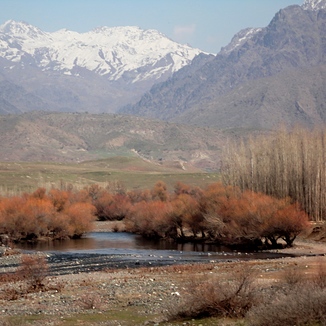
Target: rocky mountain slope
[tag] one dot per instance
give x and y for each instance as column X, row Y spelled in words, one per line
column 95, row 71
column 263, row 78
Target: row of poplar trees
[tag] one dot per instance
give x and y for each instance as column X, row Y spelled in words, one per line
column 282, row 164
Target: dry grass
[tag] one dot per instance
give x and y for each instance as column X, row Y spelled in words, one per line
column 298, row 299
column 17, row 178
column 215, row 297
column 293, row 276
column 300, row 305
column 292, row 295
column 90, row 301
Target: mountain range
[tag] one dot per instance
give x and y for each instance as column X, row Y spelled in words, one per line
column 158, row 100
column 96, row 71
column 265, row 77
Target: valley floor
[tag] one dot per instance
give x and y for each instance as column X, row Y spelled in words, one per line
column 136, row 296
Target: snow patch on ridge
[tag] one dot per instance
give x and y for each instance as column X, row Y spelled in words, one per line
column 314, row 4
column 239, row 39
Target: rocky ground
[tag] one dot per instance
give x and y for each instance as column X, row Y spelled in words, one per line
column 129, row 293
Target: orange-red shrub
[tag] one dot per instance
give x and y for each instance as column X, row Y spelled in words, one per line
column 234, row 217
column 59, row 198
column 151, row 219
column 112, row 207
column 224, row 213
column 39, row 214
column 80, row 217
column 186, row 213
column 137, row 196
column 286, row 223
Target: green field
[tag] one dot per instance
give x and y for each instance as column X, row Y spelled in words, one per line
column 130, row 172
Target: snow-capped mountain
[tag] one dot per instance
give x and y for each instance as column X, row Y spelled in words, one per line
column 314, row 4
column 248, row 33
column 119, row 52
column 263, row 79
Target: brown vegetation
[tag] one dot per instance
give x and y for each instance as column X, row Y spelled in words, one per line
column 284, row 164
column 32, row 275
column 34, row 270
column 295, row 298
column 218, row 213
column 216, row 298
column 57, row 214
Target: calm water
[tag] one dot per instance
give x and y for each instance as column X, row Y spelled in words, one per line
column 111, row 241
column 126, row 244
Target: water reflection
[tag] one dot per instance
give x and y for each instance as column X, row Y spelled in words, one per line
column 143, row 243
column 133, row 247
column 109, row 240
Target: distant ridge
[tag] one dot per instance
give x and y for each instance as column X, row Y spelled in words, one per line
column 76, row 137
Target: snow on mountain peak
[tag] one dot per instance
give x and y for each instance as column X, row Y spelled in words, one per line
column 314, row 4
column 119, row 29
column 108, row 51
column 14, row 28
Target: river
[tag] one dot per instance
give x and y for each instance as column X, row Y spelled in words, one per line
column 135, row 246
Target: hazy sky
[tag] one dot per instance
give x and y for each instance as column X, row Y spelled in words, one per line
column 205, row 24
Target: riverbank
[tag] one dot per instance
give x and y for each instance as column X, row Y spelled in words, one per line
column 120, row 294
column 133, row 296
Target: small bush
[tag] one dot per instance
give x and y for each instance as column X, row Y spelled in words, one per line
column 30, row 276
column 214, row 298
column 34, row 270
column 293, row 276
column 302, row 305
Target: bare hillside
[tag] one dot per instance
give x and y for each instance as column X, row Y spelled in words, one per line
column 76, row 137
